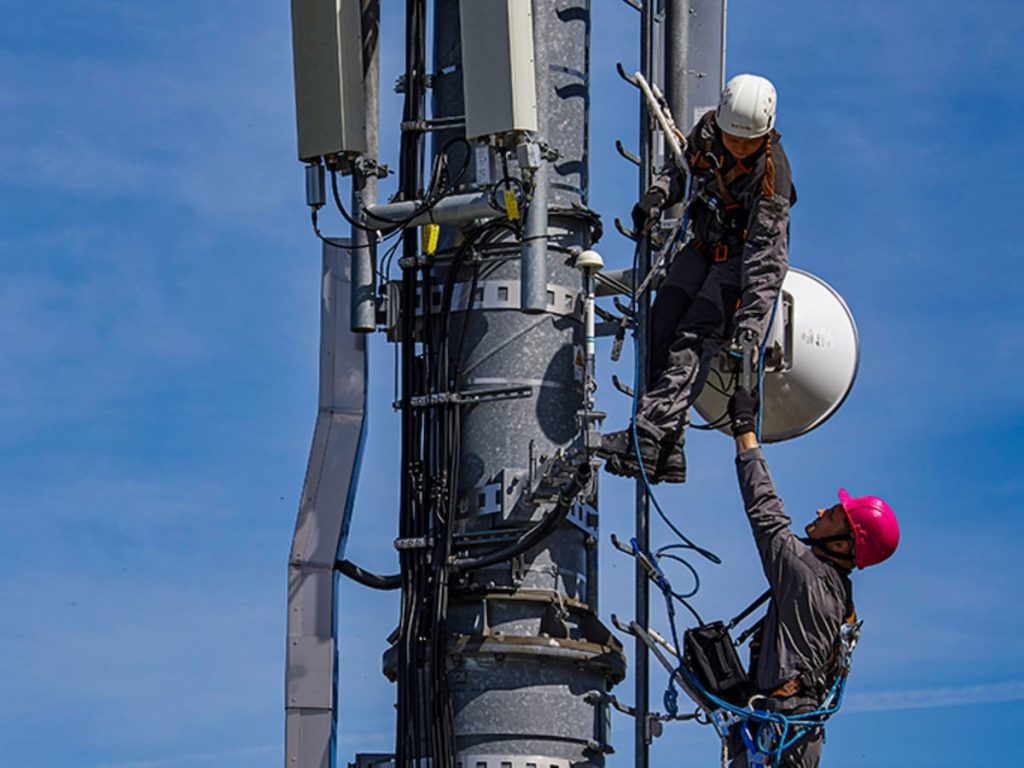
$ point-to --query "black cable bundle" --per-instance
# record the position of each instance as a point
(430, 438)
(409, 743)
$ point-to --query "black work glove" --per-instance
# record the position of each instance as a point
(743, 411)
(648, 207)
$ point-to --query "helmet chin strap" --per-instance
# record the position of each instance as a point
(821, 541)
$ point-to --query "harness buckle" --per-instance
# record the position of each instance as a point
(721, 253)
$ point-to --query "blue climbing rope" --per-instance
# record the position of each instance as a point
(772, 736)
(687, 542)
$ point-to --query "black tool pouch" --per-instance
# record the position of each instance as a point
(710, 654)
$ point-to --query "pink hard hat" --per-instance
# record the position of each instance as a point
(875, 530)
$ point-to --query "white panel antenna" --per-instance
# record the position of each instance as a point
(498, 77)
(811, 360)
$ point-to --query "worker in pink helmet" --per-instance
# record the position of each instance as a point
(809, 578)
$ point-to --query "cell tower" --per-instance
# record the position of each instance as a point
(500, 658)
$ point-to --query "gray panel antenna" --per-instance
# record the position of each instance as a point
(328, 61)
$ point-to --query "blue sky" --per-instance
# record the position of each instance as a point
(158, 298)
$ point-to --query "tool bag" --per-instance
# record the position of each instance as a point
(711, 656)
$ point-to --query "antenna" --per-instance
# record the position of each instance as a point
(810, 361)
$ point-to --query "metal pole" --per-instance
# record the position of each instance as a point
(677, 23)
(641, 670)
(364, 179)
(677, 16)
(694, 58)
(409, 724)
(534, 295)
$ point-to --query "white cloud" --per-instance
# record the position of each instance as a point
(206, 126)
(927, 698)
(223, 758)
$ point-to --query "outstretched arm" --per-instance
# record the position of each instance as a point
(745, 442)
(777, 545)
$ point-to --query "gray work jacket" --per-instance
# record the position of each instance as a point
(763, 220)
(809, 596)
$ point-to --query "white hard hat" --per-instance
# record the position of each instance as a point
(747, 108)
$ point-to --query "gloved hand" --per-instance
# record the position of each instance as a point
(646, 209)
(744, 337)
(743, 407)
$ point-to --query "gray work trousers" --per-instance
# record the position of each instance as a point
(806, 753)
(690, 320)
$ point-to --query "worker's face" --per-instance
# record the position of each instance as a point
(739, 147)
(830, 522)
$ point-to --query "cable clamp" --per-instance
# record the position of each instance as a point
(418, 542)
(415, 262)
(370, 167)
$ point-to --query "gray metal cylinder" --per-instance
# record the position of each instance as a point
(694, 57)
(364, 179)
(526, 646)
(534, 296)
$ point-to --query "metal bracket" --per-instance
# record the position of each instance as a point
(603, 330)
(369, 167)
(621, 149)
(614, 325)
(655, 647)
(604, 314)
(653, 727)
(425, 126)
(616, 285)
(623, 308)
(623, 388)
(496, 294)
(628, 233)
(598, 698)
(621, 69)
(549, 480)
(468, 397)
(497, 497)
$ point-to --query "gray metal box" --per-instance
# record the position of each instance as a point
(327, 47)
(498, 67)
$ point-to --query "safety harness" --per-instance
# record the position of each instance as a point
(774, 722)
(710, 673)
(719, 199)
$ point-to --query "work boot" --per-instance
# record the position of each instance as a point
(620, 457)
(671, 467)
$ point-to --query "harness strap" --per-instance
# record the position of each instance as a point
(758, 602)
(822, 540)
(815, 684)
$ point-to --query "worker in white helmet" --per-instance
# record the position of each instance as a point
(723, 284)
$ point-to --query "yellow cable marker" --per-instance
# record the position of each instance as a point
(511, 205)
(430, 235)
